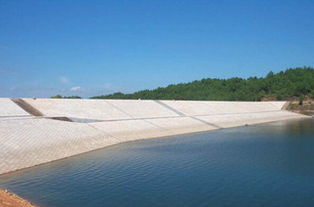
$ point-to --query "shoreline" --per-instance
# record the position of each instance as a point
(8, 199)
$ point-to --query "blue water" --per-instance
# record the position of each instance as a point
(263, 165)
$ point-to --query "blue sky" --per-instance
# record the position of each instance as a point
(90, 48)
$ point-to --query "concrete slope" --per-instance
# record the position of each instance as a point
(28, 140)
(78, 108)
(233, 120)
(9, 109)
(194, 108)
(127, 130)
(100, 109)
(140, 109)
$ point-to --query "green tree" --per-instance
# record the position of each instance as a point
(57, 96)
(293, 82)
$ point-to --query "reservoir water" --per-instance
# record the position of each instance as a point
(263, 165)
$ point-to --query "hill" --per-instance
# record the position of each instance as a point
(294, 82)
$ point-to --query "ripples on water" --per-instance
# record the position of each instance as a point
(264, 165)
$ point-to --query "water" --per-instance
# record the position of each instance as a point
(264, 165)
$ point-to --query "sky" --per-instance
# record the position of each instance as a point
(87, 48)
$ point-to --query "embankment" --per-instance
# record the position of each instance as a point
(36, 131)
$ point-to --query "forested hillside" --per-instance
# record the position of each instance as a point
(296, 82)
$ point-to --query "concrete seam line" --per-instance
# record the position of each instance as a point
(102, 131)
(170, 108)
(147, 120)
(118, 108)
(168, 117)
(15, 116)
(132, 119)
(205, 122)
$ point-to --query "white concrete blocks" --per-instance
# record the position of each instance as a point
(27, 140)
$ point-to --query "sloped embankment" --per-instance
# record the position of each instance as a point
(37, 131)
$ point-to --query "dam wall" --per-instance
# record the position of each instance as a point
(62, 128)
(141, 109)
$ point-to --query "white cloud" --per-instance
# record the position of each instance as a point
(76, 88)
(64, 80)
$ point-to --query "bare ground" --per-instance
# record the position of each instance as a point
(8, 199)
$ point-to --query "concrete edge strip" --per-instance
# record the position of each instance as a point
(27, 107)
(174, 117)
(20, 118)
(170, 108)
(81, 120)
(15, 116)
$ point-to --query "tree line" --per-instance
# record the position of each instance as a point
(293, 82)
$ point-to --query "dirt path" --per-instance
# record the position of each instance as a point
(8, 199)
